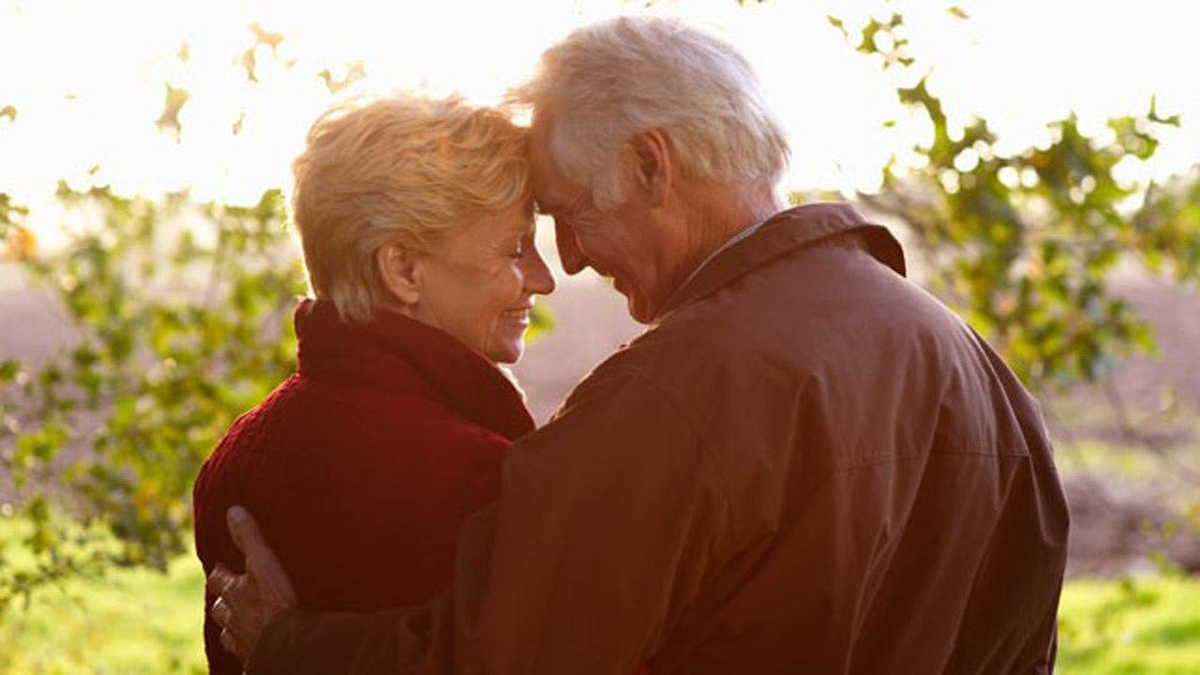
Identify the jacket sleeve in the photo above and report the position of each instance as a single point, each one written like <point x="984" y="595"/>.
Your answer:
<point x="298" y="641"/>
<point x="609" y="520"/>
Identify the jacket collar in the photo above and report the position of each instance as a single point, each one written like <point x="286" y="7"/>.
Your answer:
<point x="398" y="354"/>
<point x="786" y="231"/>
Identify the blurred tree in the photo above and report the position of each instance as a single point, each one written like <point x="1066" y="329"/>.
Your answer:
<point x="177" y="330"/>
<point x="168" y="121"/>
<point x="1025" y="244"/>
<point x="262" y="38"/>
<point x="353" y="72"/>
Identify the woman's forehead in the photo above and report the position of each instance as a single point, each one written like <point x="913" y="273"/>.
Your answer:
<point x="516" y="219"/>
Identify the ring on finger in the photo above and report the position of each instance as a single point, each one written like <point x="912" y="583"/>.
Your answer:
<point x="220" y="610"/>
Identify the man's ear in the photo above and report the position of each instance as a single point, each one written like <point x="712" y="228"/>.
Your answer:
<point x="399" y="269"/>
<point x="651" y="167"/>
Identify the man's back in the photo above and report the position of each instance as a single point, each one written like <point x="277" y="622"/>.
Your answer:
<point x="906" y="513"/>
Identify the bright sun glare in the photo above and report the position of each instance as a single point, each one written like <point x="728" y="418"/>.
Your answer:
<point x="87" y="81"/>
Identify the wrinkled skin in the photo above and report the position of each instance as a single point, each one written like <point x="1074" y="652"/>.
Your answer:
<point x="246" y="603"/>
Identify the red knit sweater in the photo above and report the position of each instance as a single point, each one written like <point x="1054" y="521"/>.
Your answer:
<point x="362" y="466"/>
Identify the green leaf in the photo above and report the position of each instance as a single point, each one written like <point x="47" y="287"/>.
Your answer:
<point x="9" y="370"/>
<point x="838" y="24"/>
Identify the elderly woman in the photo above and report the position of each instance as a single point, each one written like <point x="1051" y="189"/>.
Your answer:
<point x="417" y="227"/>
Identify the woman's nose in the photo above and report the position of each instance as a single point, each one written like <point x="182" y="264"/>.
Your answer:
<point x="538" y="278"/>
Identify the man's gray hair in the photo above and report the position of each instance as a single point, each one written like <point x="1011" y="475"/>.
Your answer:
<point x="607" y="82"/>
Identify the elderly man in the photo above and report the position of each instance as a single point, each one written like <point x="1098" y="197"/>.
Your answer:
<point x="805" y="464"/>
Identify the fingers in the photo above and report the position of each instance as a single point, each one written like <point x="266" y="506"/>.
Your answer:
<point x="229" y="643"/>
<point x="244" y="604"/>
<point x="221" y="612"/>
<point x="244" y="530"/>
<point x="220" y="580"/>
<point x="261" y="564"/>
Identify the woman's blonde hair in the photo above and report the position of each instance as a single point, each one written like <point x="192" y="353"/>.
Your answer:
<point x="396" y="170"/>
<point x="606" y="82"/>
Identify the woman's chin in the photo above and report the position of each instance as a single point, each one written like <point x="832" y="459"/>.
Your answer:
<point x="508" y="353"/>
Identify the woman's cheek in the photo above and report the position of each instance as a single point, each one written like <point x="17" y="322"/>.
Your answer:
<point x="518" y="280"/>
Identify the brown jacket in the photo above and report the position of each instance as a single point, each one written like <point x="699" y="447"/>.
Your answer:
<point x="808" y="465"/>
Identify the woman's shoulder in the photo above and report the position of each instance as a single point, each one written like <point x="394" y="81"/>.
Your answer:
<point x="335" y="449"/>
<point x="303" y="408"/>
<point x="310" y="432"/>
<point x="391" y="418"/>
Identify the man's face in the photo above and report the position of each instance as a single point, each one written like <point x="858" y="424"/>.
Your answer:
<point x="620" y="244"/>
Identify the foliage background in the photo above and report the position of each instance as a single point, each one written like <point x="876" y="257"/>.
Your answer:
<point x="179" y="313"/>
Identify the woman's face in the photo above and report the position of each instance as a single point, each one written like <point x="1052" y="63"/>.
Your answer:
<point x="478" y="283"/>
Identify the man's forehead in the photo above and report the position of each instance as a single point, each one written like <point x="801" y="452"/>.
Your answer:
<point x="550" y="186"/>
<point x="539" y="150"/>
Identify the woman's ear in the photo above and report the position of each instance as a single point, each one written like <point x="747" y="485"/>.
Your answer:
<point x="399" y="269"/>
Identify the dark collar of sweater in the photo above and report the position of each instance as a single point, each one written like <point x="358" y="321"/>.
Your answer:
<point x="398" y="354"/>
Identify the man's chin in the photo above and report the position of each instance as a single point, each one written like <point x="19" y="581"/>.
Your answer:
<point x="639" y="310"/>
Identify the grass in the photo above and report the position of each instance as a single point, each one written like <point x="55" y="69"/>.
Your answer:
<point x="1145" y="625"/>
<point x="133" y="621"/>
<point x="139" y="621"/>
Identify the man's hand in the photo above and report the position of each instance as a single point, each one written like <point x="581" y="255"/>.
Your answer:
<point x="246" y="603"/>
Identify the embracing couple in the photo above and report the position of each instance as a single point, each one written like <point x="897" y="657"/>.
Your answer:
<point x="804" y="464"/>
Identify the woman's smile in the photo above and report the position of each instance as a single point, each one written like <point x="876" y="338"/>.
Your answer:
<point x="519" y="315"/>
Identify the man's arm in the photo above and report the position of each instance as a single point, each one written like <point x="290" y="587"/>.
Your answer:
<point x="332" y="642"/>
<point x="257" y="611"/>
<point x="609" y="520"/>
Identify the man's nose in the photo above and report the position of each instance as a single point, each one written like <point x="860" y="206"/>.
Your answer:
<point x="569" y="254"/>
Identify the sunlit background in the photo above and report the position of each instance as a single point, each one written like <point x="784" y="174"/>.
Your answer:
<point x="215" y="97"/>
